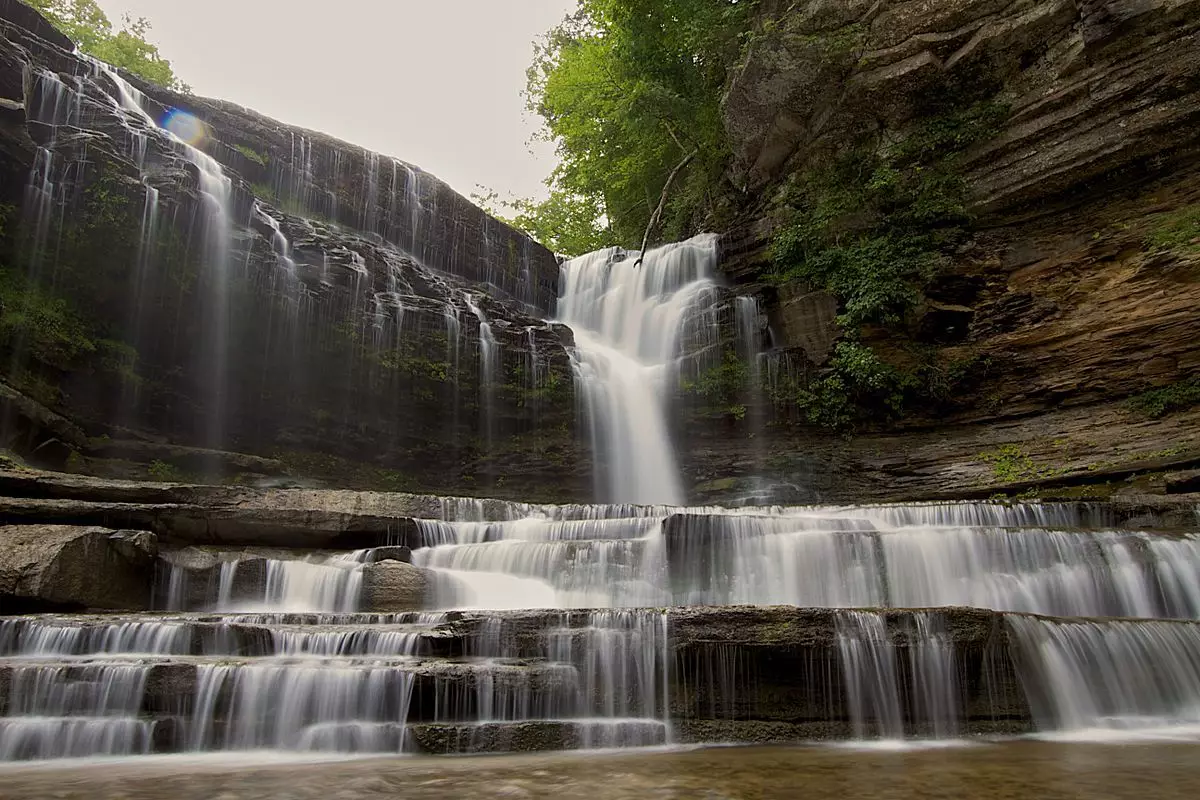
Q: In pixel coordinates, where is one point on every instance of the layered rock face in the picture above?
(263, 290)
(1076, 283)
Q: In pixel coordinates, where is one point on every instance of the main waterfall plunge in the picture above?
(627, 314)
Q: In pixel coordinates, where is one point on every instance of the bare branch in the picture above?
(662, 202)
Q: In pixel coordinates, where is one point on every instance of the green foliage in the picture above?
(856, 384)
(46, 324)
(253, 155)
(1011, 464)
(1178, 230)
(86, 24)
(859, 387)
(627, 89)
(414, 366)
(568, 224)
(871, 227)
(723, 386)
(162, 471)
(264, 191)
(1158, 403)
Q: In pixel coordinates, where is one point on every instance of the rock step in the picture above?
(172, 734)
(376, 688)
(532, 735)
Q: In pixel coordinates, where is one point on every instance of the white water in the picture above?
(279, 585)
(1111, 676)
(216, 192)
(627, 320)
(489, 365)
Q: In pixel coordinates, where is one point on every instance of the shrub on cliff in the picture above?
(86, 24)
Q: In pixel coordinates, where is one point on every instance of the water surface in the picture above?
(1021, 770)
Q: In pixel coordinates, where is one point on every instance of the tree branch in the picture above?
(662, 202)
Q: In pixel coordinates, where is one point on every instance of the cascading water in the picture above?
(1111, 675)
(627, 314)
(489, 364)
(216, 191)
(283, 634)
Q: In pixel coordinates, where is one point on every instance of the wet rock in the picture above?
(496, 737)
(781, 666)
(31, 427)
(1183, 482)
(58, 566)
(401, 554)
(364, 383)
(137, 547)
(394, 586)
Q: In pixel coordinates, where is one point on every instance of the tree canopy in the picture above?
(86, 24)
(628, 90)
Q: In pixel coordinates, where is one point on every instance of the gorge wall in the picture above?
(1072, 287)
(323, 311)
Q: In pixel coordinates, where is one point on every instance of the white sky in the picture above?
(433, 82)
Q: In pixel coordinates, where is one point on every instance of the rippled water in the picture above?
(1016, 769)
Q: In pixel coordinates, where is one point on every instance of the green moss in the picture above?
(722, 386)
(162, 471)
(1011, 464)
(264, 191)
(46, 325)
(1158, 403)
(1178, 230)
(414, 366)
(253, 155)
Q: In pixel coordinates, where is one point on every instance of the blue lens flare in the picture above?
(186, 126)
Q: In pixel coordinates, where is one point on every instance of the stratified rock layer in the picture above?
(359, 322)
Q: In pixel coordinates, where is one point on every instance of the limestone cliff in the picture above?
(363, 324)
(1075, 286)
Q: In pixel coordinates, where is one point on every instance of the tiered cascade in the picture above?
(603, 665)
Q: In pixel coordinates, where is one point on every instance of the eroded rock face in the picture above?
(1062, 294)
(365, 324)
(69, 567)
(391, 586)
(1093, 86)
(778, 673)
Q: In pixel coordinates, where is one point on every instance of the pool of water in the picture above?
(1021, 770)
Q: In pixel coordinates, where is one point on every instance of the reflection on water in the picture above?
(1020, 770)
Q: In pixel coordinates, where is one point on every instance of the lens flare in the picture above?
(186, 126)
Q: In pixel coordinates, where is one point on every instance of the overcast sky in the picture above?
(433, 82)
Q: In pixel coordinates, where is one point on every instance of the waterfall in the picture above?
(216, 191)
(1115, 675)
(627, 318)
(489, 365)
(331, 584)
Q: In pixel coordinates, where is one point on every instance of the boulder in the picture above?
(391, 586)
(69, 567)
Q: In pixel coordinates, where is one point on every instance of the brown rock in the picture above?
(57, 566)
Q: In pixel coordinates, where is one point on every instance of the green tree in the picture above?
(86, 24)
(569, 224)
(629, 91)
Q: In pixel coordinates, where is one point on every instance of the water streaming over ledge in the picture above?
(596, 669)
(628, 314)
